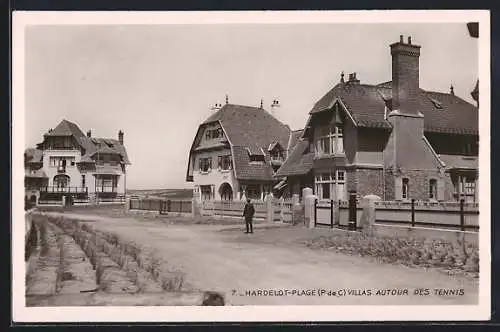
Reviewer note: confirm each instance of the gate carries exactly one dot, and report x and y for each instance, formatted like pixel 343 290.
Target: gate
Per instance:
pixel 324 213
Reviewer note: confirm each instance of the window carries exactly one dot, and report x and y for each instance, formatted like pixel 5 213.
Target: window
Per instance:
pixel 330 140
pixel 205 164
pixel 214 133
pixel 277 155
pixel 257 158
pixel 224 162
pixel 83 181
pixel 466 188
pixel 405 188
pixel 432 189
pixel 331 185
pixel 206 192
pixel 253 191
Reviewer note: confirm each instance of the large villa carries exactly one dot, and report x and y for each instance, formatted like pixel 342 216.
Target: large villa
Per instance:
pixel 69 163
pixel 392 139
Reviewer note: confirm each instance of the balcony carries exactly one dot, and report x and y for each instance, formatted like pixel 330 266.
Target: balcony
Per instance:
pixel 55 189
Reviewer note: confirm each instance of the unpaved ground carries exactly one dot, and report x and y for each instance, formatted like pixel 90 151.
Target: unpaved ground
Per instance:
pixel 223 258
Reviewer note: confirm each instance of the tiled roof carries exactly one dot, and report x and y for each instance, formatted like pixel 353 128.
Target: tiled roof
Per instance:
pixel 246 170
pixel 32 155
pixel 299 162
pixel 443 112
pixel 254 129
pixel 464 162
pixel 294 139
pixel 90 144
pixel 66 128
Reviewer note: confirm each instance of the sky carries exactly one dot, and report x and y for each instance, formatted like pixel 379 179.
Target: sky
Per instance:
pixel 157 83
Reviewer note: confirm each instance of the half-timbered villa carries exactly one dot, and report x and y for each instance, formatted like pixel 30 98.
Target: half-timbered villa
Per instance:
pixel 394 139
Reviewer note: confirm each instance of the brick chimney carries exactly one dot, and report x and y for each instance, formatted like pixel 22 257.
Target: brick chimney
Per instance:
pixel 120 137
pixel 353 79
pixel 405 76
pixel 407 149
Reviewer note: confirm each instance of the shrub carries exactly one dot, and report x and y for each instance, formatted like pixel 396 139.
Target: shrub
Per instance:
pixel 410 251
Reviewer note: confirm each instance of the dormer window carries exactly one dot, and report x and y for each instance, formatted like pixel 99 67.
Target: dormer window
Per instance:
pixel 329 138
pixel 214 133
pixel 257 158
pixel 436 103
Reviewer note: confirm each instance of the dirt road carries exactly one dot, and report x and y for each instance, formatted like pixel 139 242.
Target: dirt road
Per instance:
pixel 223 258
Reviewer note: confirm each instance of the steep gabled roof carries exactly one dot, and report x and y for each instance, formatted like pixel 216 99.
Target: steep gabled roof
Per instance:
pixel 66 128
pixel 294 139
pixel 247 126
pixel 299 162
pixel 107 145
pixel 443 112
pixel 250 129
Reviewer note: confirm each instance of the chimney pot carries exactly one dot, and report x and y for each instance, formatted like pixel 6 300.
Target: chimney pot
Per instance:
pixel 401 39
pixel 409 40
pixel 89 133
pixel 120 137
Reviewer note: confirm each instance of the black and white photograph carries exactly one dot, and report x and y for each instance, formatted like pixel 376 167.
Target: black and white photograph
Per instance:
pixel 251 166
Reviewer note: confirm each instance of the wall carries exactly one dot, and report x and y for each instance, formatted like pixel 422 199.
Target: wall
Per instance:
pixel 71 171
pixel 444 214
pixel 448 235
pixel 370 182
pixel 214 177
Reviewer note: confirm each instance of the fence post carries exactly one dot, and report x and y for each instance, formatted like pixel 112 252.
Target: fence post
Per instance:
pixel 352 211
pixel 331 213
pixel 462 217
pixel 315 212
pixel 413 212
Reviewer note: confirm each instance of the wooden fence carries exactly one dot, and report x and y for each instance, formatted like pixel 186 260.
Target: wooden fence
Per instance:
pixel 162 206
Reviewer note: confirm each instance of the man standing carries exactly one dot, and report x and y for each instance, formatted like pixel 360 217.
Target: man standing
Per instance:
pixel 248 213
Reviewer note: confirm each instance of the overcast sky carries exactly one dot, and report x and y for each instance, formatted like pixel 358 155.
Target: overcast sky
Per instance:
pixel 157 83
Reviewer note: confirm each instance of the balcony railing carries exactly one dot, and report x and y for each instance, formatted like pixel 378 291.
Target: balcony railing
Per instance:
pixel 54 189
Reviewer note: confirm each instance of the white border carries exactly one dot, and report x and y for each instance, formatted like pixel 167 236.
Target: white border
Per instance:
pixel 246 313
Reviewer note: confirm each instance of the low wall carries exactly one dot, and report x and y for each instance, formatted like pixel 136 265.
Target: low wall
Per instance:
pixel 440 215
pixel 429 214
pixel 434 233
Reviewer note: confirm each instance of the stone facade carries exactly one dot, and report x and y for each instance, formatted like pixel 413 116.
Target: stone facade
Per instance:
pixel 370 182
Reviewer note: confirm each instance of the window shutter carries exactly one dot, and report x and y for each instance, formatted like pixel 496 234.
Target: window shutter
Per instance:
pixel 398 191
pixel 219 162
pixel 210 162
pixel 440 190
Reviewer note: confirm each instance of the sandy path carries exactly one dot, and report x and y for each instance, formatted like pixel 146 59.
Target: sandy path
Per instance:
pixel 222 258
